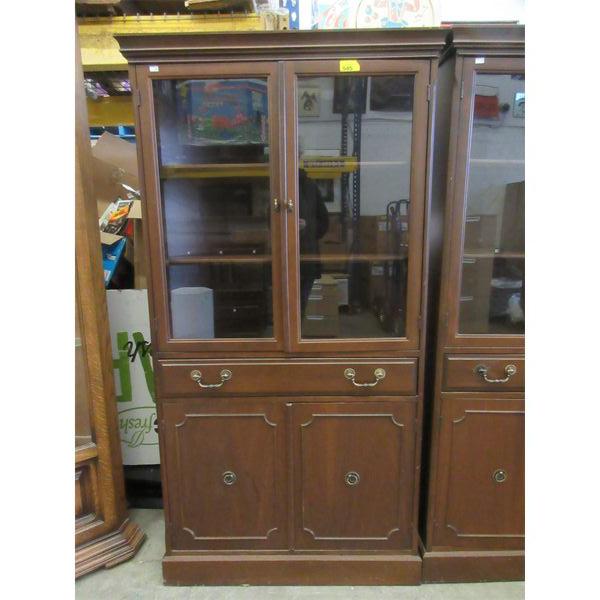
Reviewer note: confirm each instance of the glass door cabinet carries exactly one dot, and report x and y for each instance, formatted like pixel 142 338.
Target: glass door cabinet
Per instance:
pixel 474 526
pixel 285 200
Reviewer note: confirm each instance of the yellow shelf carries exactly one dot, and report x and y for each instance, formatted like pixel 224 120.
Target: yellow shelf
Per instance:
pixel 100 51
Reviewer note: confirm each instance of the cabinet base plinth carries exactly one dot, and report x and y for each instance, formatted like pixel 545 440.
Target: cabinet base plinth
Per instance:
pixel 109 550
pixel 287 569
pixel 468 567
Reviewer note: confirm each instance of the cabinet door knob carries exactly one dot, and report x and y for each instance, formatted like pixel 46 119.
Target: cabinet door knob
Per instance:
pixel 290 205
pixel 500 476
pixel 482 370
pixel 225 375
pixel 229 478
pixel 378 373
pixel 352 478
pixel 276 205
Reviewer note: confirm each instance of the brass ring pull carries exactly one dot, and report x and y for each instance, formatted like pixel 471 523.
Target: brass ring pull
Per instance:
pixel 351 374
pixel 482 370
pixel 499 475
pixel 352 478
pixel 225 375
pixel 229 478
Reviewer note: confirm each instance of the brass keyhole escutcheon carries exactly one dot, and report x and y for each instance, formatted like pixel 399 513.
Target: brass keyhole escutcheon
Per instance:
pixel 229 478
pixel 352 478
pixel 500 476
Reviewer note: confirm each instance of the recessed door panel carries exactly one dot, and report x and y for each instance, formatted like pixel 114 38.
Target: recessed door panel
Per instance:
pixel 481 474
pixel 353 474
pixel 225 469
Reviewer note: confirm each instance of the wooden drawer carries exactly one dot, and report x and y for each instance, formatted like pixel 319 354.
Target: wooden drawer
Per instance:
pixel 275 377
pixel 480 500
pixel 461 373
pixel 353 474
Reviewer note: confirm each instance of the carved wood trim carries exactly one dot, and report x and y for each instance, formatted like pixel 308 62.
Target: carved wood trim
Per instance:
pixel 109 550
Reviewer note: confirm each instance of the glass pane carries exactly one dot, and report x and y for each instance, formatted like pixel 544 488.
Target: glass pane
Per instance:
pixel 354 146
pixel 493 271
pixel 216 197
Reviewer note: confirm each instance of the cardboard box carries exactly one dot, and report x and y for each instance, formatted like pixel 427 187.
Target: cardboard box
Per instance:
pixel 512 237
pixel 480 233
pixel 322 310
pixel 115 163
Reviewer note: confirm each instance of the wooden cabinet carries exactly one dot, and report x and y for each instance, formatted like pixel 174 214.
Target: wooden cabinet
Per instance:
pixel 473 527
pixel 104 534
pixel 285 183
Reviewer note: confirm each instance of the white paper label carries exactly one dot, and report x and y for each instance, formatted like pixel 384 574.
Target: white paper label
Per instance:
pixel 480 60
pixel 153 69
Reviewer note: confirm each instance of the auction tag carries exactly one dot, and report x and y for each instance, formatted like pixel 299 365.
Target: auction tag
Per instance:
pixel 153 69
pixel 480 60
pixel 349 66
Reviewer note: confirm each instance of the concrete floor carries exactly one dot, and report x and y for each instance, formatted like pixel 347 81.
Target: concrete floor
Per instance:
pixel 141 578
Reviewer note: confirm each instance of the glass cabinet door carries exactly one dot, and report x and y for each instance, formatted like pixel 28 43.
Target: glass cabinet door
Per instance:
pixel 356 202
pixel 217 174
pixel 492 269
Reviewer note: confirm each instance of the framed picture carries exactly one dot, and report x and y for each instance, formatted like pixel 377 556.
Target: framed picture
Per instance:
pixel 309 101
pixel 392 94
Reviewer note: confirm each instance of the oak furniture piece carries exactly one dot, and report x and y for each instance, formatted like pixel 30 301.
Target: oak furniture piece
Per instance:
pixel 290 415
pixel 474 525
pixel 104 535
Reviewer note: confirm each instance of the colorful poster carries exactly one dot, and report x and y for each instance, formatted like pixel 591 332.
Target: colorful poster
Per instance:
pixel 353 14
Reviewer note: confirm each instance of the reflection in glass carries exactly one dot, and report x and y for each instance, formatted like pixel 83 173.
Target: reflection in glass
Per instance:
pixel 354 146
pixel 211 120
pixel 215 189
pixel 493 265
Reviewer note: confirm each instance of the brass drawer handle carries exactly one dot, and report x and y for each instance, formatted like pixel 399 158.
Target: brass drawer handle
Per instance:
pixel 499 475
pixel 229 478
pixel 225 375
pixel 352 478
pixel 351 374
pixel 482 370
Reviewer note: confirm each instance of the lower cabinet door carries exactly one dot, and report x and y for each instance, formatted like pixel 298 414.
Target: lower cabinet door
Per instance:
pixel 480 499
pixel 353 474
pixel 225 462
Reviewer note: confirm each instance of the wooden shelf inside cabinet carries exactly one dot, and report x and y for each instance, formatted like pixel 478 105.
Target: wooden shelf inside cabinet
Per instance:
pixel 214 170
pixel 497 161
pixel 232 259
pixel 351 257
pixel 485 254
